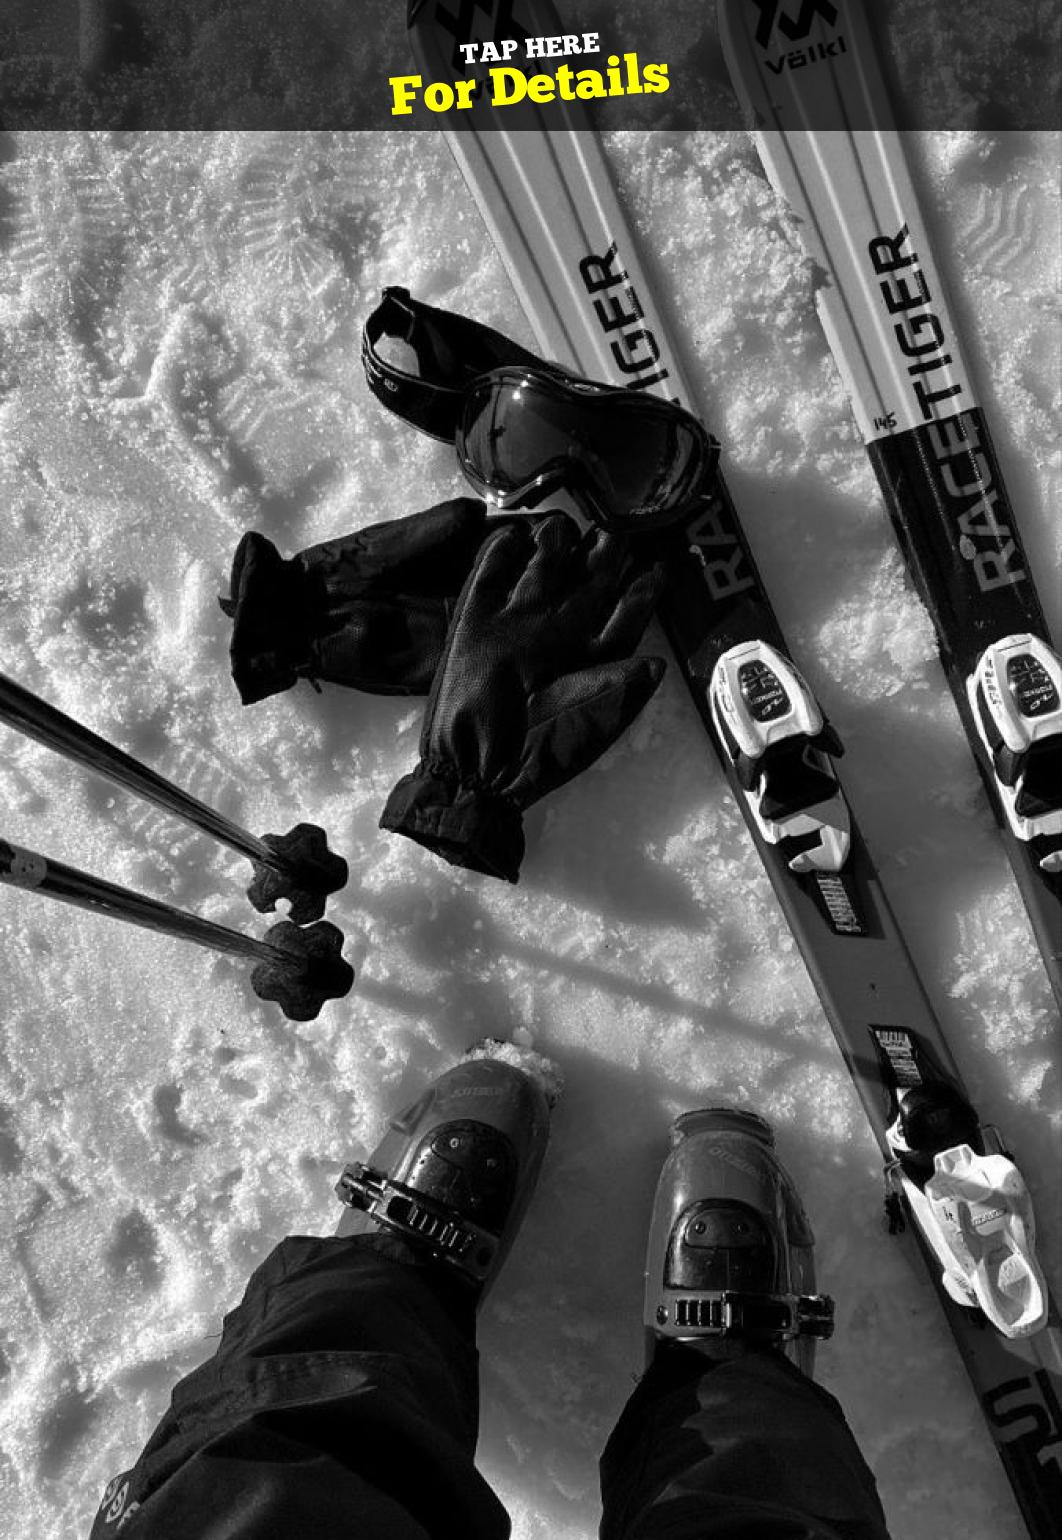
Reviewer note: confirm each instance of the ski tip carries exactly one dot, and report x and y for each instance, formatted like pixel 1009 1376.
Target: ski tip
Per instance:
pixel 816 71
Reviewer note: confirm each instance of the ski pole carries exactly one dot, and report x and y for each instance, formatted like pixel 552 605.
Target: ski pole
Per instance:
pixel 297 968
pixel 297 865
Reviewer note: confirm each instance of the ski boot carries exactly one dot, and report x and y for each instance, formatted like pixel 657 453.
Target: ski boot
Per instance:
pixel 454 1173
pixel 730 1261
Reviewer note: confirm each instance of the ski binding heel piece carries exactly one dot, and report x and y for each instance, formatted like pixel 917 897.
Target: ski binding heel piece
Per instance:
pixel 780 745
pixel 962 1189
pixel 1015 695
pixel 976 1213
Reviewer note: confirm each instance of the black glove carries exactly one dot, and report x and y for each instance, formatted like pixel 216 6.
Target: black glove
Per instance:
pixel 368 610
pixel 535 682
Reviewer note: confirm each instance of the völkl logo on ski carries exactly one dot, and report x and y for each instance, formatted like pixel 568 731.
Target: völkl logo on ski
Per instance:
pixel 777 24
pixel 773 13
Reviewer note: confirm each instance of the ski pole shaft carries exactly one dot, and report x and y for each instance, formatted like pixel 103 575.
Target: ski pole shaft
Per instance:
pixel 299 968
pixel 299 865
pixel 22 868
pixel 30 715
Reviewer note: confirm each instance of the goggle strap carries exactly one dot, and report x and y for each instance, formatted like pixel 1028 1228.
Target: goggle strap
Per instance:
pixel 450 350
pixel 432 408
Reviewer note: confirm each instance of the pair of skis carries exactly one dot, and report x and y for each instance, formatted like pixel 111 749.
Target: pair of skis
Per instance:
pixel 544 190
pixel 888 323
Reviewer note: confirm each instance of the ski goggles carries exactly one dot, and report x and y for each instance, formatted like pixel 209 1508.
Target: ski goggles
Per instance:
pixel 629 461
pixel 525 429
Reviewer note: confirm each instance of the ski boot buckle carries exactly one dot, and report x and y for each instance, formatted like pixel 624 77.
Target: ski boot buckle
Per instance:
pixel 442 1232
pixel 773 1317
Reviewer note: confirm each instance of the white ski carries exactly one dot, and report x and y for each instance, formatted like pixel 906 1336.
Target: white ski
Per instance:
pixel 824 133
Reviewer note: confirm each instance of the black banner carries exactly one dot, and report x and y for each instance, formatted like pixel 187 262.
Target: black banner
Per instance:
pixel 345 64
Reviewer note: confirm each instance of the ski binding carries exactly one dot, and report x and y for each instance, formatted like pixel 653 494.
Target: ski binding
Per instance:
pixel 1015 695
pixel 964 1192
pixel 780 745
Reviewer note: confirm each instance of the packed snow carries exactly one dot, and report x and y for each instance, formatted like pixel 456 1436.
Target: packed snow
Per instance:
pixel 180 322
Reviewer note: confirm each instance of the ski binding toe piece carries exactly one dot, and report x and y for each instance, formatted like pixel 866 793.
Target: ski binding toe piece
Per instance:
pixel 1016 698
pixel 780 745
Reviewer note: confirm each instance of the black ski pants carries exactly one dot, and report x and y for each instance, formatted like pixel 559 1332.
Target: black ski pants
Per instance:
pixel 342 1401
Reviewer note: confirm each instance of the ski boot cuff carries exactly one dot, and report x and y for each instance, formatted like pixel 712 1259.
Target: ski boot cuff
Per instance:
pixel 465 825
pixel 270 633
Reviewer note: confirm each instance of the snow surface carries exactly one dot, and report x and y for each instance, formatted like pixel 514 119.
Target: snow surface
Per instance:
pixel 180 321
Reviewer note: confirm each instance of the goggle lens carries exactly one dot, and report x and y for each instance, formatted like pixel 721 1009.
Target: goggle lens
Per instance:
pixel 631 460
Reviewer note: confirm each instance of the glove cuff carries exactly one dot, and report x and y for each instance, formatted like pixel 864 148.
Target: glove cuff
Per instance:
pixel 270 645
pixel 464 824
